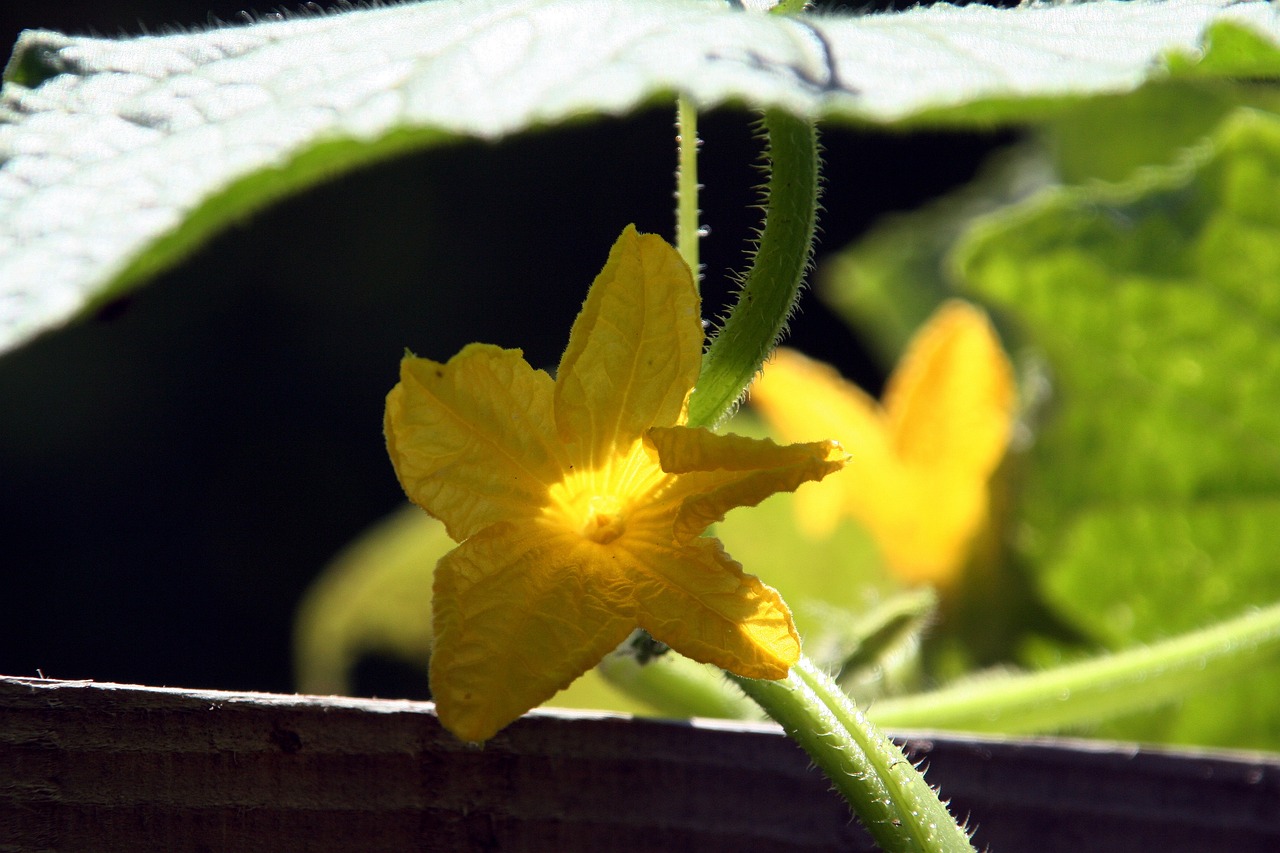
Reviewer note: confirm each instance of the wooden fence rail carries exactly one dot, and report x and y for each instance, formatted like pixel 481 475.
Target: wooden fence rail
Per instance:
pixel 102 767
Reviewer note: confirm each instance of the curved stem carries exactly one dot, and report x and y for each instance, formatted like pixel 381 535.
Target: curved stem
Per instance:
pixel 887 792
pixel 1099 689
pixel 885 789
pixel 770 289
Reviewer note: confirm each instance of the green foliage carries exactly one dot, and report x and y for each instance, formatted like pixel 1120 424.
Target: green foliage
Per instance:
pixel 375 598
pixel 1143 293
pixel 1151 503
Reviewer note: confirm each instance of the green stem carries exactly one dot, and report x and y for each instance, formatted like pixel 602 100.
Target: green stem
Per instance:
pixel 688 230
pixel 1095 690
pixel 887 792
pixel 770 289
pixel 676 686
pixel 885 789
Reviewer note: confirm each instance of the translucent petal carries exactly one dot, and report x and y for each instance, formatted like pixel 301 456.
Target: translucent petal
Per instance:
pixel 950 401
pixel 919 466
pixel 926 526
pixel 634 352
pixel 519 614
pixel 697 600
pixel 720 472
pixel 807 400
pixel 473 440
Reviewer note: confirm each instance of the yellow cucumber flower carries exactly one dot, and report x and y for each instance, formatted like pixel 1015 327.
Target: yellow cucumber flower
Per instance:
pixel 920 462
pixel 579 502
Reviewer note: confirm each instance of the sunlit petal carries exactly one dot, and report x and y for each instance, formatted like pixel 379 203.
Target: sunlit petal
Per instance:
pixel 473 440
pixel 518 615
pixel 927 525
pixel 720 472
pixel 807 400
pixel 950 402
pixel 634 352
pixel 697 600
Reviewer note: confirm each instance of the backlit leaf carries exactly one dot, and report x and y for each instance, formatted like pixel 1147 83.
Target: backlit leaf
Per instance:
pixel 118 157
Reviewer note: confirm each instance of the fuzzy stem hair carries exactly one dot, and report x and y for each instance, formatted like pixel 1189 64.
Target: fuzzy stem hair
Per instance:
pixel 770 289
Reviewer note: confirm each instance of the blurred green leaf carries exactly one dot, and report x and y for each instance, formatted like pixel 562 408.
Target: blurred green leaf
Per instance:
pixel 1229 50
pixel 374 598
pixel 889 281
pixel 1151 503
pixel 844 570
pixel 1151 127
pixel 877 652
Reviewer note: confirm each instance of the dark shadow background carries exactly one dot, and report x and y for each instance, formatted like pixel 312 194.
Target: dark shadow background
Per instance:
pixel 176 470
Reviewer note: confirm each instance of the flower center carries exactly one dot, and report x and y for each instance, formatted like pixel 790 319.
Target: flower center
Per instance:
pixel 598 503
pixel 605 520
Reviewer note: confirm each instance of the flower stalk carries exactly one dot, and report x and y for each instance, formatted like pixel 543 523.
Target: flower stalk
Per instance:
pixel 890 796
pixel 883 787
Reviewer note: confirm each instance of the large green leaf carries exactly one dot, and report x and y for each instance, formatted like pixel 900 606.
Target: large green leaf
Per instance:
pixel 118 157
pixel 889 281
pixel 1152 497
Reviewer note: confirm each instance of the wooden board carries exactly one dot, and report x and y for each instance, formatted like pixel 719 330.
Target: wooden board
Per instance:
pixel 87 766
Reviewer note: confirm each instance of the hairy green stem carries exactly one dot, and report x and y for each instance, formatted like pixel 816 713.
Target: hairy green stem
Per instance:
pixel 887 792
pixel 885 789
pixel 688 229
pixel 770 289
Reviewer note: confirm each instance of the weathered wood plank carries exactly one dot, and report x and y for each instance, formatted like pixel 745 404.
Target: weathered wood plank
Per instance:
pixel 88 766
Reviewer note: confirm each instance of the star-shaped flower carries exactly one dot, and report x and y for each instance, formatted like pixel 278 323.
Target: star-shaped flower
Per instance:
pixel 579 502
pixel 922 460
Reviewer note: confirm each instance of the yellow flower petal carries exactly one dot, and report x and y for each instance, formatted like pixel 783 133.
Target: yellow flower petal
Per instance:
pixel 518 615
pixel 698 601
pixel 721 472
pixel 949 409
pixel 634 353
pixel 920 466
pixel 484 420
pixel 950 402
pixel 806 400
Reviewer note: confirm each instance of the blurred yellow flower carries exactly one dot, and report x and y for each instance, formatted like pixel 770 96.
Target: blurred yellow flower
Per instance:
pixel 920 462
pixel 580 502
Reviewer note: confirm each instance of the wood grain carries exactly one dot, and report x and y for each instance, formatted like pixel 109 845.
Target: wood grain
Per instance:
pixel 87 766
